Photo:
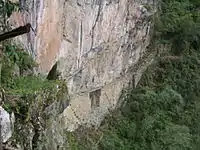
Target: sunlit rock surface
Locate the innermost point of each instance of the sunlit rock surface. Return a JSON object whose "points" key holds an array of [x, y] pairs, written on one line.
{"points": [[97, 44], [6, 125]]}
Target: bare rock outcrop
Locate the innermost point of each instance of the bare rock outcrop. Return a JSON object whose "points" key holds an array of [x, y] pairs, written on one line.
{"points": [[96, 43]]}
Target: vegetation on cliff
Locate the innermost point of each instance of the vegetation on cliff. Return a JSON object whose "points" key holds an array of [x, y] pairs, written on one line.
{"points": [[34, 100], [28, 96], [163, 112]]}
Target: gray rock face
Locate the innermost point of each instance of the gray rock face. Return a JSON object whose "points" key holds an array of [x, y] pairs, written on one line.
{"points": [[97, 44], [103, 41], [6, 125]]}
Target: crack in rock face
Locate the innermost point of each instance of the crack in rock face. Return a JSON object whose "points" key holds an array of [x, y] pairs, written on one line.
{"points": [[94, 42]]}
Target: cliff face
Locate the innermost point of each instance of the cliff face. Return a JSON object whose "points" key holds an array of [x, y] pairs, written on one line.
{"points": [[97, 44]]}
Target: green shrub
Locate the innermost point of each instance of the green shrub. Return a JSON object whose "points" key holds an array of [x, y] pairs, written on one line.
{"points": [[19, 56], [179, 25], [29, 85], [20, 91], [8, 7], [15, 61]]}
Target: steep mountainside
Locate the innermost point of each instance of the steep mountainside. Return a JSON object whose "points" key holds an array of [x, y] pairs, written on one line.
{"points": [[88, 58], [97, 45]]}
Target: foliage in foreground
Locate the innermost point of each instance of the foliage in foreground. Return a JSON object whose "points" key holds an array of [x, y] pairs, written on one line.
{"points": [[19, 89], [27, 96]]}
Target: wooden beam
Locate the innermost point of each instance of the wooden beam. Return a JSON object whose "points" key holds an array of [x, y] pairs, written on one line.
{"points": [[16, 32]]}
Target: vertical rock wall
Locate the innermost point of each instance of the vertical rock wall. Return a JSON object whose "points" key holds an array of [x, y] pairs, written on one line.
{"points": [[96, 44]]}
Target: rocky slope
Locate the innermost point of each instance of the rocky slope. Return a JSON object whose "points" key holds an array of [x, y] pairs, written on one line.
{"points": [[96, 44]]}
